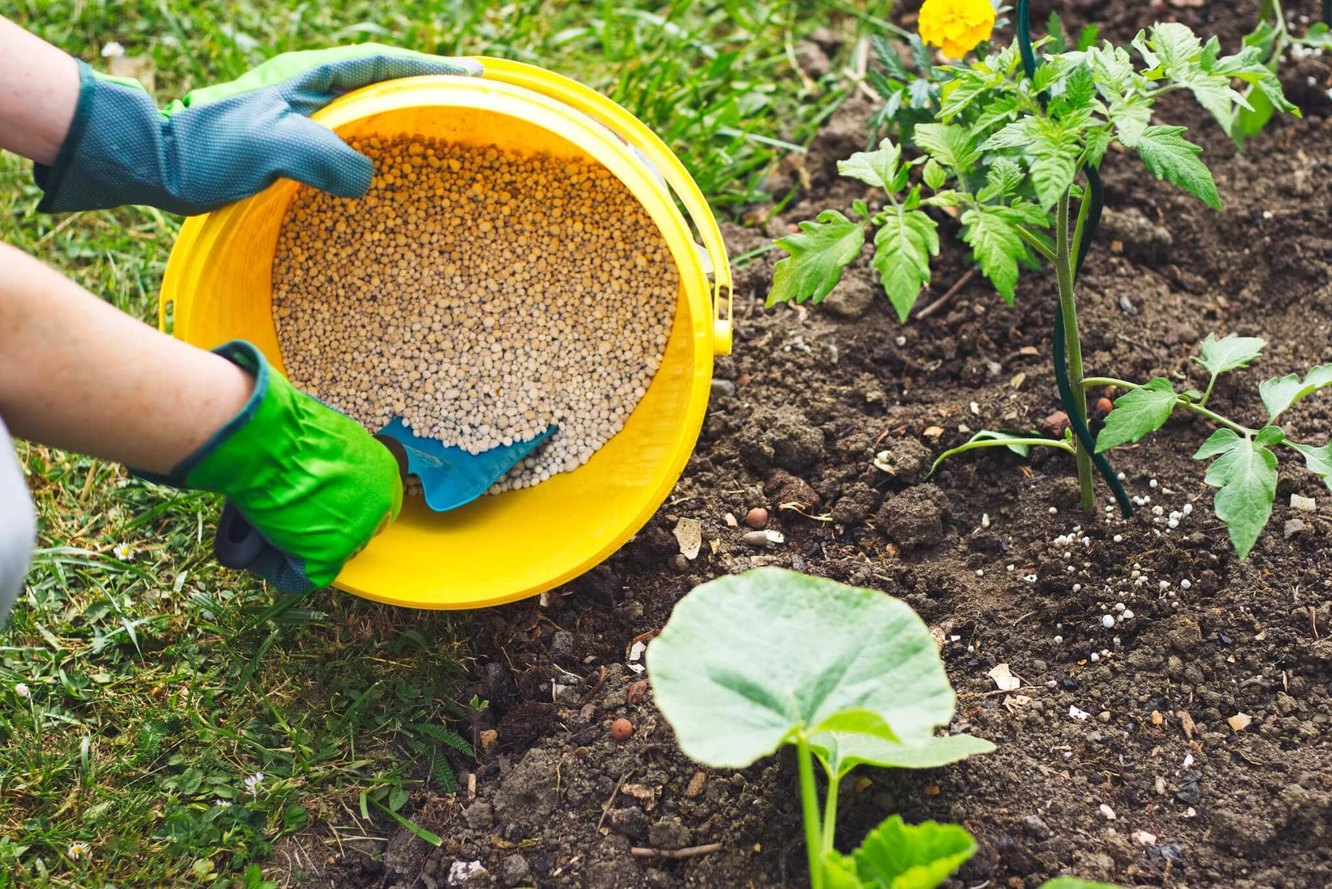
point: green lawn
(157, 684)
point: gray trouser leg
(18, 529)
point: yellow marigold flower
(956, 26)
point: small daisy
(123, 551)
(252, 783)
(78, 850)
(21, 689)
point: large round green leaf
(745, 661)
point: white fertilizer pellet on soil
(481, 296)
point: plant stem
(1208, 394)
(1068, 306)
(1075, 249)
(829, 814)
(809, 801)
(1035, 243)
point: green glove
(313, 483)
(221, 143)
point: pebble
(764, 538)
(757, 518)
(1108, 621)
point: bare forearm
(39, 90)
(76, 373)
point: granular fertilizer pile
(481, 296)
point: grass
(157, 684)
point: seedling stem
(1068, 306)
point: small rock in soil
(562, 644)
(669, 833)
(621, 729)
(723, 388)
(1036, 825)
(696, 784)
(467, 873)
(513, 870)
(757, 518)
(1055, 424)
(1293, 527)
(851, 299)
(764, 539)
(913, 519)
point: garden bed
(1116, 758)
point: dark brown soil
(1152, 787)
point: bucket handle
(637, 134)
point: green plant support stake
(1075, 401)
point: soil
(1117, 761)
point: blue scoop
(451, 477)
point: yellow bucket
(218, 287)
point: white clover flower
(112, 50)
(222, 804)
(123, 551)
(78, 850)
(252, 783)
(21, 689)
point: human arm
(39, 90)
(77, 374)
(214, 146)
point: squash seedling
(750, 663)
(1005, 156)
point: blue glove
(221, 143)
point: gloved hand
(221, 143)
(313, 483)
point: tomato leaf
(1245, 474)
(877, 168)
(903, 247)
(1168, 155)
(1319, 460)
(950, 144)
(817, 256)
(1229, 353)
(1138, 413)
